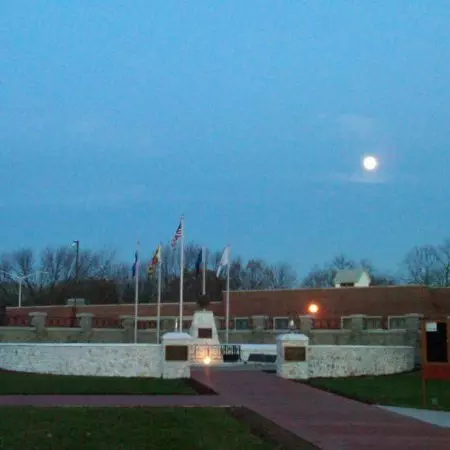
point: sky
(248, 117)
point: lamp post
(19, 279)
(75, 244)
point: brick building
(333, 303)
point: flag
(155, 261)
(198, 264)
(177, 235)
(133, 269)
(224, 261)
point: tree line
(49, 277)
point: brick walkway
(328, 421)
(114, 400)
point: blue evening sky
(250, 117)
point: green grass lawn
(393, 390)
(30, 383)
(124, 428)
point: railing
(229, 353)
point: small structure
(205, 338)
(292, 359)
(75, 302)
(352, 278)
(176, 349)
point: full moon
(370, 163)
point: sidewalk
(439, 418)
(325, 420)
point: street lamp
(75, 244)
(19, 279)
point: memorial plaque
(295, 354)
(176, 353)
(205, 333)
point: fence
(229, 353)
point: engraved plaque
(205, 333)
(295, 354)
(176, 353)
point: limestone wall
(325, 361)
(126, 360)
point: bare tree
(282, 276)
(422, 266)
(443, 257)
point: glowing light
(207, 361)
(370, 163)
(313, 308)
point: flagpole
(136, 294)
(227, 306)
(180, 325)
(204, 270)
(158, 305)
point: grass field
(393, 390)
(124, 428)
(30, 383)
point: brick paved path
(326, 420)
(114, 400)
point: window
(396, 323)
(373, 323)
(242, 323)
(281, 323)
(347, 284)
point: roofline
(243, 291)
(115, 305)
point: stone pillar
(128, 327)
(292, 356)
(413, 322)
(413, 326)
(357, 322)
(306, 324)
(176, 349)
(37, 320)
(85, 321)
(168, 323)
(259, 323)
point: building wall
(333, 303)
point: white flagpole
(180, 324)
(204, 270)
(227, 306)
(136, 294)
(158, 305)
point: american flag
(177, 236)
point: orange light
(313, 308)
(207, 361)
